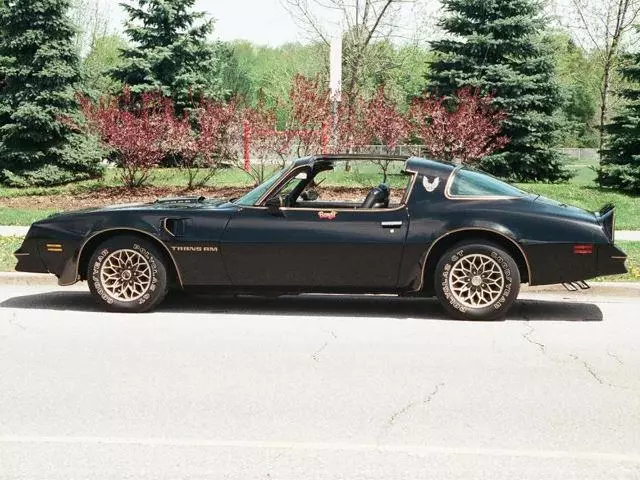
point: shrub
(466, 132)
(134, 131)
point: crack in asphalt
(393, 419)
(316, 355)
(13, 321)
(613, 355)
(527, 336)
(589, 368)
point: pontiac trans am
(451, 232)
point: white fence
(585, 156)
(577, 156)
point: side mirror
(273, 205)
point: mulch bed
(118, 195)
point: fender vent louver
(176, 227)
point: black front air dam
(29, 259)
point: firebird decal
(430, 186)
(327, 215)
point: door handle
(391, 224)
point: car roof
(412, 164)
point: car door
(326, 249)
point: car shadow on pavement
(317, 305)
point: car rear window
(470, 183)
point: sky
(260, 21)
(267, 22)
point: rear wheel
(477, 281)
(127, 274)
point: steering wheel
(285, 200)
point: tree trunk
(604, 103)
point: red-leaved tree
(266, 142)
(183, 145)
(387, 125)
(466, 132)
(134, 131)
(220, 129)
(309, 116)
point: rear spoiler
(606, 218)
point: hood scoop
(187, 200)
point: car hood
(169, 204)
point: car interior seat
(377, 197)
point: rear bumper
(561, 263)
(611, 261)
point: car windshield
(471, 183)
(254, 195)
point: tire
(127, 274)
(477, 281)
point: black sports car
(447, 230)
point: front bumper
(46, 254)
(29, 259)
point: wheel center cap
(126, 275)
(476, 281)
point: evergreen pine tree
(170, 52)
(495, 46)
(620, 164)
(39, 68)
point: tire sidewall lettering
(459, 253)
(97, 283)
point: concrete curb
(627, 236)
(616, 289)
(27, 279)
(602, 289)
(13, 231)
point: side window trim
(450, 196)
(278, 186)
(403, 204)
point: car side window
(347, 184)
(470, 183)
(292, 183)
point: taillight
(583, 249)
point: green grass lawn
(363, 175)
(579, 192)
(8, 245)
(592, 198)
(632, 249)
(20, 217)
(162, 177)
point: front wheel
(127, 274)
(477, 281)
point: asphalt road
(317, 388)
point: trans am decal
(195, 249)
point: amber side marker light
(54, 247)
(583, 249)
